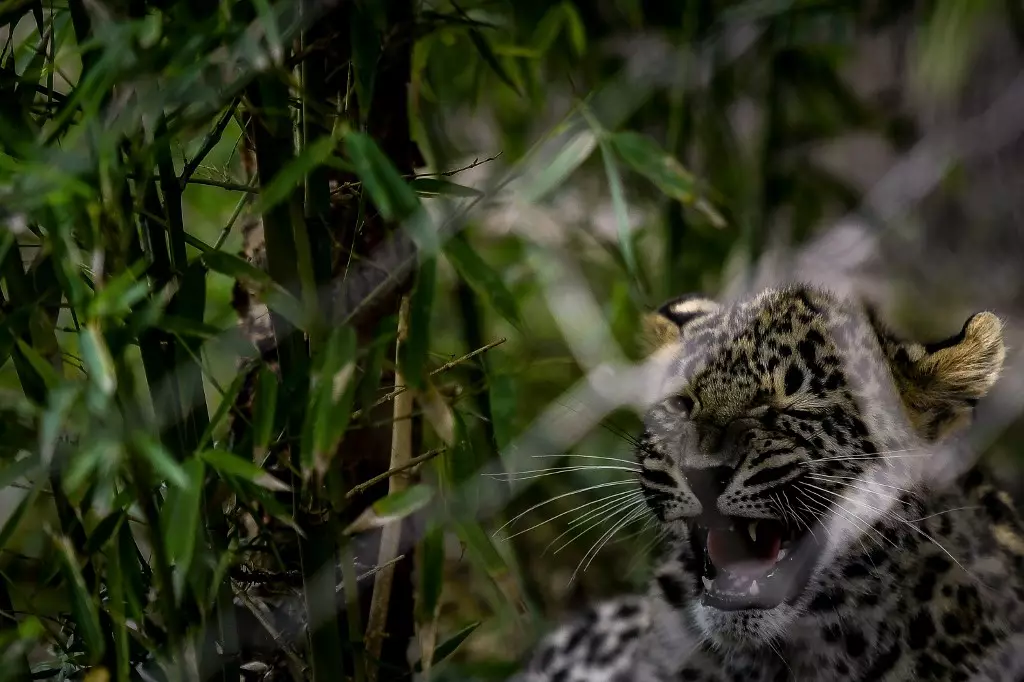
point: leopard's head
(782, 423)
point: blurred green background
(193, 487)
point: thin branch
(412, 463)
(209, 142)
(391, 535)
(399, 390)
(231, 186)
(476, 162)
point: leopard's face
(778, 416)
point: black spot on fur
(925, 587)
(673, 590)
(952, 625)
(855, 644)
(921, 629)
(794, 380)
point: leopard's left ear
(943, 381)
(665, 326)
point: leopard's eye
(680, 404)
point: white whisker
(619, 506)
(592, 552)
(945, 511)
(605, 499)
(558, 497)
(540, 473)
(609, 459)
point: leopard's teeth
(754, 589)
(752, 531)
(707, 583)
(782, 555)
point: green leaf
(131, 571)
(484, 279)
(431, 574)
(482, 548)
(390, 194)
(285, 182)
(573, 153)
(14, 519)
(180, 516)
(227, 401)
(331, 397)
(448, 646)
(83, 607)
(269, 292)
(574, 26)
(18, 469)
(413, 352)
(234, 267)
(611, 169)
(41, 367)
(160, 460)
(96, 358)
(119, 295)
(646, 157)
(504, 409)
(484, 48)
(366, 52)
(104, 530)
(183, 326)
(394, 507)
(229, 464)
(433, 187)
(264, 406)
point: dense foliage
(292, 293)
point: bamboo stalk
(401, 454)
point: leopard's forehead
(777, 345)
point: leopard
(823, 516)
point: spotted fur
(802, 408)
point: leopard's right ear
(665, 325)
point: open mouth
(753, 564)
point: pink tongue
(729, 549)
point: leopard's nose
(707, 484)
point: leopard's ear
(665, 325)
(941, 382)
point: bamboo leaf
(646, 157)
(118, 296)
(264, 407)
(413, 353)
(366, 51)
(229, 464)
(394, 507)
(227, 401)
(434, 187)
(611, 169)
(487, 54)
(448, 646)
(331, 396)
(390, 194)
(571, 156)
(486, 282)
(83, 607)
(180, 516)
(283, 184)
(160, 460)
(97, 360)
(103, 531)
